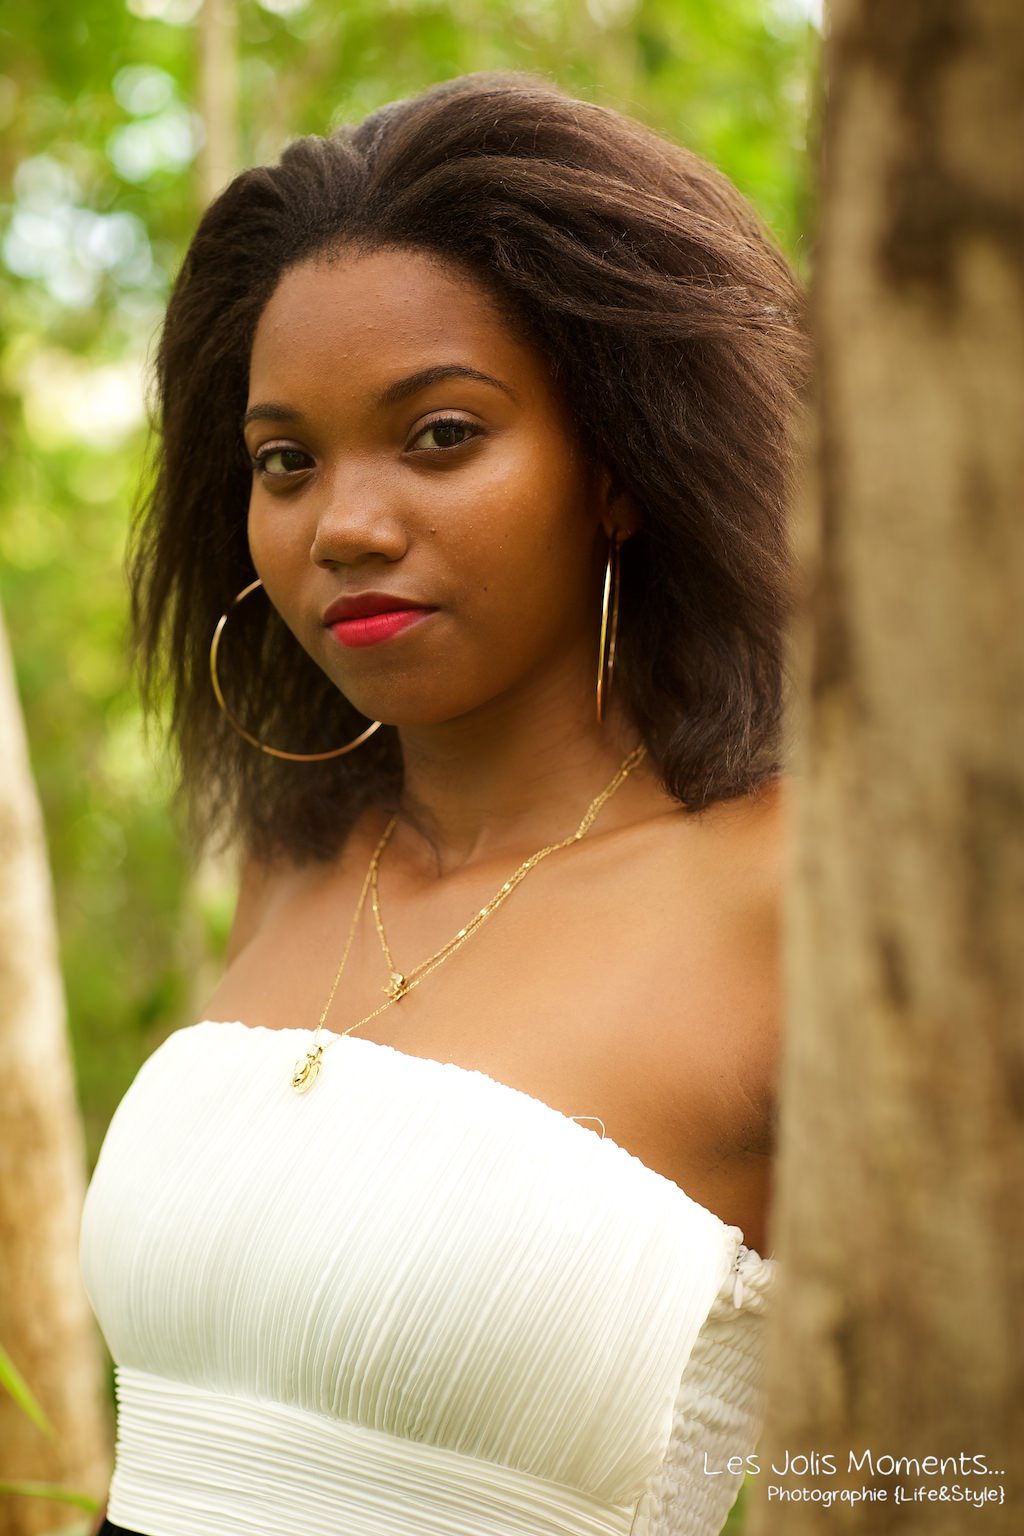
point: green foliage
(98, 108)
(736, 1522)
(51, 1491)
(13, 1382)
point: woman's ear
(617, 510)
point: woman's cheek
(276, 543)
(260, 536)
(281, 564)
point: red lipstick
(367, 617)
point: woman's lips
(377, 626)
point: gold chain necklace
(307, 1068)
(398, 983)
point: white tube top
(413, 1302)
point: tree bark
(901, 1157)
(46, 1325)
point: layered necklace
(399, 982)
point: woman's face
(387, 462)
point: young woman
(466, 564)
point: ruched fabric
(414, 1300)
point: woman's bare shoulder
(733, 851)
(265, 884)
(262, 883)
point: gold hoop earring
(610, 600)
(294, 757)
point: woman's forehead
(381, 295)
(381, 316)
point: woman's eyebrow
(270, 412)
(392, 394)
(401, 389)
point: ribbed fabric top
(413, 1300)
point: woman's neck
(474, 792)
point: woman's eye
(262, 462)
(448, 433)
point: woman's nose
(357, 521)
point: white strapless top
(414, 1301)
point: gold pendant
(397, 986)
(307, 1070)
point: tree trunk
(46, 1325)
(897, 1216)
(218, 96)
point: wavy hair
(673, 325)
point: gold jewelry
(611, 592)
(295, 757)
(307, 1068)
(398, 983)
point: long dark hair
(675, 328)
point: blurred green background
(101, 127)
